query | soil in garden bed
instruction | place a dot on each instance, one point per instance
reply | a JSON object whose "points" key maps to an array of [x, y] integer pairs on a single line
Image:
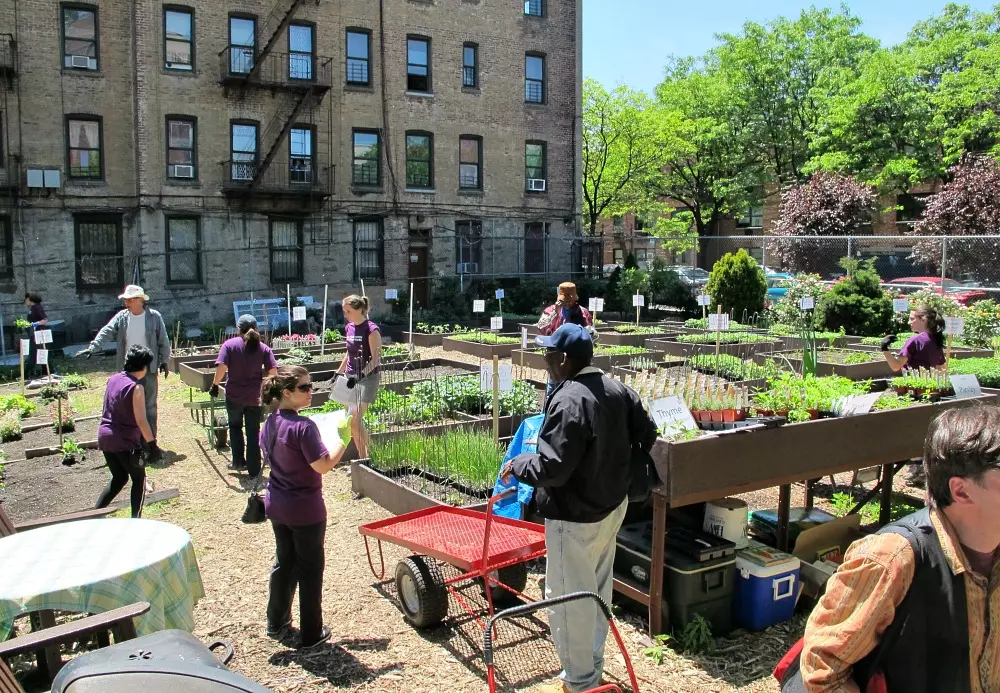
{"points": [[43, 486], [439, 491], [409, 375], [85, 430]]}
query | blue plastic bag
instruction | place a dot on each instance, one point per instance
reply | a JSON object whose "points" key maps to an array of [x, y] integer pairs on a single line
{"points": [[525, 440]]}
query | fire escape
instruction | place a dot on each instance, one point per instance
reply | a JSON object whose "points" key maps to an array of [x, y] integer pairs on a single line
{"points": [[282, 160]]}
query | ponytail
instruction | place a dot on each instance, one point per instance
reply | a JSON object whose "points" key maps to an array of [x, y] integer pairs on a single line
{"points": [[251, 338], [357, 302], [935, 323], [275, 385]]}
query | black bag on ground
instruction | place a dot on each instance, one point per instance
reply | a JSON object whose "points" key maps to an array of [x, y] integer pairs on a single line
{"points": [[255, 512]]}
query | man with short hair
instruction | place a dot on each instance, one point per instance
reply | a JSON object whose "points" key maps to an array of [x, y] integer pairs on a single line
{"points": [[947, 592], [581, 474], [137, 325]]}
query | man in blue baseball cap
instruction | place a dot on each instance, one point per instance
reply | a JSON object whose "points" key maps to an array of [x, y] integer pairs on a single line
{"points": [[581, 475]]}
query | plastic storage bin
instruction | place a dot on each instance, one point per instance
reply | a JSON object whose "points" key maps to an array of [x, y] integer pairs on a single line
{"points": [[767, 584], [764, 523]]}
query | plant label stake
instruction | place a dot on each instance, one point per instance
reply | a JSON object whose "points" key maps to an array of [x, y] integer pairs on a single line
{"points": [[638, 301], [900, 305], [288, 294], [326, 300], [479, 306], [704, 300], [411, 319], [42, 359], [496, 398], [25, 352], [499, 295], [953, 327], [59, 420]]}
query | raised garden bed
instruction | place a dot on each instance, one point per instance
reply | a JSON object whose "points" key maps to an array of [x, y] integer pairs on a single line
{"points": [[483, 350], [672, 347], [46, 437], [614, 337], [536, 358], [956, 352], [835, 362]]}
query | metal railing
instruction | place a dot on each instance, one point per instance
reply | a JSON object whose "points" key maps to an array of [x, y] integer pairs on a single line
{"points": [[301, 176], [289, 70]]}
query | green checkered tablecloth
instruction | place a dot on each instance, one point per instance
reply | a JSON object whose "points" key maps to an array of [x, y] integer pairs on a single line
{"points": [[94, 566]]}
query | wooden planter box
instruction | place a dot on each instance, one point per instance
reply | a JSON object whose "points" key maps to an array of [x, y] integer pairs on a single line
{"points": [[174, 362], [390, 495], [726, 465], [532, 328], [746, 351], [956, 352], [612, 338], [792, 343], [854, 371], [424, 340], [536, 360], [481, 351]]}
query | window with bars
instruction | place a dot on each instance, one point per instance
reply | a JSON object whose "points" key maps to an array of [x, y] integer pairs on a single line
{"points": [[6, 249], [178, 38], [534, 79], [242, 44], [286, 250], [300, 51], [80, 37], [419, 160], [183, 250], [366, 168], [469, 245], [243, 150], [534, 166], [470, 65], [534, 8], [358, 56], [98, 246], [369, 249], [470, 162], [418, 64], [535, 247], [300, 155], [85, 152], [181, 133]]}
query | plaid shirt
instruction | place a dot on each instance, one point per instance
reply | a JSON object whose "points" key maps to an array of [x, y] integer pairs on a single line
{"points": [[552, 319], [861, 600]]}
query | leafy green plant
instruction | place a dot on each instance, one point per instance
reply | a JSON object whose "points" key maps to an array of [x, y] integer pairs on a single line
{"points": [[726, 338], [390, 350], [295, 357], [74, 382], [702, 324], [469, 457], [987, 370], [858, 304], [52, 392], [732, 368], [72, 452], [10, 427], [738, 283], [696, 638], [891, 400], [18, 403], [638, 329], [67, 419], [631, 282], [843, 503], [427, 328], [615, 350], [333, 336], [658, 651], [21, 324], [482, 337], [982, 324], [786, 311]]}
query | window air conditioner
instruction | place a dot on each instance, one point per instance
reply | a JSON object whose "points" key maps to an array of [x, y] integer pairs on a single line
{"points": [[79, 61], [468, 268], [182, 171], [536, 184]]}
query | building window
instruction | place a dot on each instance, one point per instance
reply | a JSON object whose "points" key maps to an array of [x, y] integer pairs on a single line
{"points": [[418, 64], [86, 160], [534, 166], [79, 35], [470, 162], [754, 218], [99, 262], [286, 250], [367, 165], [243, 150], [183, 250], [534, 8], [619, 256], [6, 249], [369, 249], [242, 44], [534, 79], [910, 208], [358, 60], [468, 246], [470, 65], [535, 246], [419, 160], [181, 148], [300, 156], [300, 51], [178, 38]]}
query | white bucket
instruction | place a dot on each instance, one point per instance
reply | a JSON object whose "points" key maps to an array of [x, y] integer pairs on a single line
{"points": [[727, 518]]}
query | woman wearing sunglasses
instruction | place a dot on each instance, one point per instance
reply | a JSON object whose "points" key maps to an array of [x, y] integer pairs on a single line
{"points": [[294, 503]]}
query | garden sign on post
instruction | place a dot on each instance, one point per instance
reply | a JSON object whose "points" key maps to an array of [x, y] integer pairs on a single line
{"points": [[638, 301], [704, 300], [25, 352], [953, 327], [322, 337]]}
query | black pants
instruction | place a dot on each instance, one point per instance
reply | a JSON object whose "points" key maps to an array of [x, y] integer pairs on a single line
{"points": [[299, 559], [123, 465], [248, 452]]}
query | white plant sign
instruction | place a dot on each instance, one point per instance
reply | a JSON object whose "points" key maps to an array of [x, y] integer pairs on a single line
{"points": [[299, 313], [496, 323], [506, 373], [479, 306], [718, 322], [392, 294]]}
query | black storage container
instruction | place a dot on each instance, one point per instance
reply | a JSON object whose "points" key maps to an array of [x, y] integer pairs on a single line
{"points": [[165, 662], [690, 586]]}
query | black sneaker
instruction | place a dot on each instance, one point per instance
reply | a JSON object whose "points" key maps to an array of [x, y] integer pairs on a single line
{"points": [[324, 635], [276, 633], [238, 467]]}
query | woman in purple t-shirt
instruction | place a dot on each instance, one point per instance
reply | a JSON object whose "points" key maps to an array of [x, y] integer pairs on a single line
{"points": [[293, 501], [364, 347], [925, 349]]}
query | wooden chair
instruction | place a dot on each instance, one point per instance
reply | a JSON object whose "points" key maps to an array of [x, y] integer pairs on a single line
{"points": [[8, 526]]}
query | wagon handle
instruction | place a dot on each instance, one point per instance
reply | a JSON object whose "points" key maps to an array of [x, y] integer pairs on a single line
{"points": [[489, 522], [381, 574]]}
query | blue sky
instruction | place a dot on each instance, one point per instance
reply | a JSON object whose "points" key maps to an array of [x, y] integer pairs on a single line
{"points": [[628, 41]]}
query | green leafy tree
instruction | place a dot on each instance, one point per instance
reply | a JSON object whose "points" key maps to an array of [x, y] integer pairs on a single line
{"points": [[738, 283], [631, 282], [667, 289], [857, 304]]}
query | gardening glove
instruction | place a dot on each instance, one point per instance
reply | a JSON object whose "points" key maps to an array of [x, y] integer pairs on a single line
{"points": [[34, 325], [887, 342], [214, 390], [163, 369], [151, 452], [344, 430], [86, 353], [351, 382]]}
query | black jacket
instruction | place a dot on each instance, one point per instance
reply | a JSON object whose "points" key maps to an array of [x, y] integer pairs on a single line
{"points": [[581, 469]]}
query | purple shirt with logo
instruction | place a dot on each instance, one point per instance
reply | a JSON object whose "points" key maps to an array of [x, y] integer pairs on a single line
{"points": [[921, 351], [359, 350], [294, 489], [245, 370], [36, 313], [118, 430]]}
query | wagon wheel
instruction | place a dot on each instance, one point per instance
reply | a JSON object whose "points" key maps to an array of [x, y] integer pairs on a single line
{"points": [[220, 436], [514, 576], [422, 594]]}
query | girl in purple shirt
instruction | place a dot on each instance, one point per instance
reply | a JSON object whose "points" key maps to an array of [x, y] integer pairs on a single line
{"points": [[364, 346], [925, 349], [294, 503]]}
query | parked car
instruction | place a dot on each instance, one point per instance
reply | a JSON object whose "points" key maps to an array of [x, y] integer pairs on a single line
{"points": [[692, 276], [963, 295], [777, 284], [609, 269]]}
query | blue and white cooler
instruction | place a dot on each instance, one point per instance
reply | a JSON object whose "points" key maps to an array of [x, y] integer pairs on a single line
{"points": [[767, 584]]}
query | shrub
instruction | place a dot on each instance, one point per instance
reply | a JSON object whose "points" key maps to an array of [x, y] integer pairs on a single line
{"points": [[667, 289], [68, 422], [787, 312], [74, 382], [738, 283], [986, 369], [982, 324], [857, 304], [50, 393], [18, 403], [10, 427], [631, 282]]}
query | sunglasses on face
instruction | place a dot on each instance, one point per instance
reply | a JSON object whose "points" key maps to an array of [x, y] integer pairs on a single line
{"points": [[304, 387]]}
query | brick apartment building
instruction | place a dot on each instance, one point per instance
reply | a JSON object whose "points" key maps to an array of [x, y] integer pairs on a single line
{"points": [[213, 148]]}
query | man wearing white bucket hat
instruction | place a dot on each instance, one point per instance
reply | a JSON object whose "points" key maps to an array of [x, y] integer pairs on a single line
{"points": [[137, 324]]}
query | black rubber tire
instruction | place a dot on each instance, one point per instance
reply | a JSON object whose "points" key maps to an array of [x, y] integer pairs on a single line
{"points": [[221, 436], [514, 576], [431, 595]]}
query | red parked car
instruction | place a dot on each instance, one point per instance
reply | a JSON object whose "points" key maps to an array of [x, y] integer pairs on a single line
{"points": [[962, 294]]}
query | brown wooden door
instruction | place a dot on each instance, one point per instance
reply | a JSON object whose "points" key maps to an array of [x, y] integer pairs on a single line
{"points": [[419, 271]]}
